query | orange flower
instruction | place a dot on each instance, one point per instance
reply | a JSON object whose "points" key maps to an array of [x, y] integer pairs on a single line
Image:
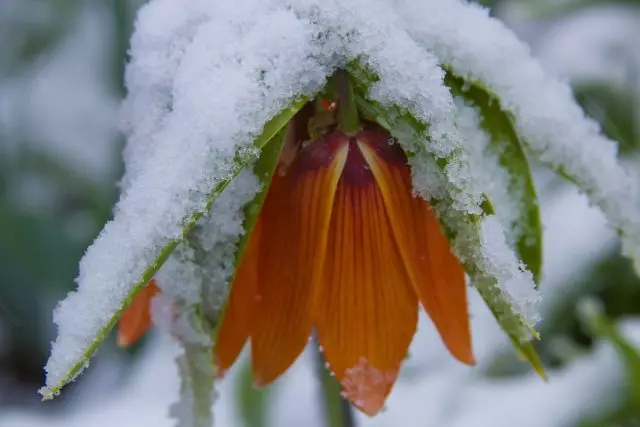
{"points": [[137, 317], [343, 247]]}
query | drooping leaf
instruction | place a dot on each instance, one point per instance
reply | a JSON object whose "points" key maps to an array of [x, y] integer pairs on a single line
{"points": [[241, 161], [526, 352], [505, 140], [397, 120]]}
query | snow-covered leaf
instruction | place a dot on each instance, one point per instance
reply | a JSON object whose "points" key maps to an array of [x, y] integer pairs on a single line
{"points": [[553, 127], [476, 239], [241, 161], [527, 228]]}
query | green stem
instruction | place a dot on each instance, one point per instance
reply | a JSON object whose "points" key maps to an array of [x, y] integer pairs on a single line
{"points": [[338, 411], [348, 118]]}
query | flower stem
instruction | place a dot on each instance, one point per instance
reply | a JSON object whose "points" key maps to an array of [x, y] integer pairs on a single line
{"points": [[338, 411], [348, 118]]}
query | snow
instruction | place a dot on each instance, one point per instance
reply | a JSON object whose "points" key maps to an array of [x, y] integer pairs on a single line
{"points": [[501, 262], [486, 172], [410, 78], [229, 80], [204, 78], [217, 239], [554, 127], [194, 283]]}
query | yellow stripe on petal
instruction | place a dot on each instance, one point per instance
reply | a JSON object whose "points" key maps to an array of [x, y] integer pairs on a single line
{"points": [[238, 317], [435, 272], [295, 219], [136, 319], [366, 310]]}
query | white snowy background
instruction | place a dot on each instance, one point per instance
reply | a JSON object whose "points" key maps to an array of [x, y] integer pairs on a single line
{"points": [[60, 158]]}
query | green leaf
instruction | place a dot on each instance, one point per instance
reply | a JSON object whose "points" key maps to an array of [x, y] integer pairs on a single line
{"points": [[505, 140], [527, 353], [241, 161], [252, 402], [403, 125]]}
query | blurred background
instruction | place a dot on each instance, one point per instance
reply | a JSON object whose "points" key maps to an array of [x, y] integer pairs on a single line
{"points": [[61, 67]]}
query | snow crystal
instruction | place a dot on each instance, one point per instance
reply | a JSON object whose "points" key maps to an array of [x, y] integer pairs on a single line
{"points": [[199, 270], [499, 260], [478, 47], [372, 32], [486, 173], [203, 79], [410, 77], [181, 277], [217, 237]]}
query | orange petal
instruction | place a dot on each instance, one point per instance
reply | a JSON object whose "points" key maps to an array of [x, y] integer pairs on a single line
{"points": [[435, 272], [136, 319], [295, 219], [367, 310], [238, 316]]}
